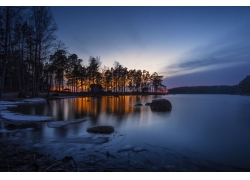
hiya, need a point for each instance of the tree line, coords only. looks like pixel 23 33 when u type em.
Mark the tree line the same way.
pixel 204 90
pixel 80 78
pixel 32 57
pixel 242 88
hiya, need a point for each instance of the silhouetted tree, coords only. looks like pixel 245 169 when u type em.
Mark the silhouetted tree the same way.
pixel 92 70
pixel 108 79
pixel 60 61
pixel 44 28
pixel 49 70
pixel 244 85
pixel 156 81
pixel 6 45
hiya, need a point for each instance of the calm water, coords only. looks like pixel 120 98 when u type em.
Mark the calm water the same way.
pixel 201 133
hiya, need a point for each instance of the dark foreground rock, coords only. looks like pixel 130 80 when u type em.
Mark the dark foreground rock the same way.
pixel 161 105
pixel 139 104
pixel 101 129
pixel 147 104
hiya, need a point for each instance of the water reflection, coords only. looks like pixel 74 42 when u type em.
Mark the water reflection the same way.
pixel 215 127
pixel 91 107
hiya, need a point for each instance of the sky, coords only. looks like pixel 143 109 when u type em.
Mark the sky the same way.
pixel 188 45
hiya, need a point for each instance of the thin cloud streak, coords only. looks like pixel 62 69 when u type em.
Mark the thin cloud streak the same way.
pixel 222 54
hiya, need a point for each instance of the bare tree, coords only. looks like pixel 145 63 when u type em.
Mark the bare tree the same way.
pixel 44 28
pixel 5 49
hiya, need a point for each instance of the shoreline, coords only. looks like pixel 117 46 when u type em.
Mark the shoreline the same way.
pixel 13 96
pixel 14 158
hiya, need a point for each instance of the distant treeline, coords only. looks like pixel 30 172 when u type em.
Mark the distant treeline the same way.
pixel 204 90
pixel 244 85
pixel 242 88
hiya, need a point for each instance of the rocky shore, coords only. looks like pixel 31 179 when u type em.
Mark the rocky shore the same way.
pixel 15 159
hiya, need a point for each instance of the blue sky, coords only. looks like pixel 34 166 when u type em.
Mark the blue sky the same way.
pixel 187 45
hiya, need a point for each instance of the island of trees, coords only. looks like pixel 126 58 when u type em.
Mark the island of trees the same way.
pixel 33 59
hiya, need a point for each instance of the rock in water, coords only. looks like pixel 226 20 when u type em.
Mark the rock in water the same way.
pixel 161 105
pixel 101 129
pixel 58 124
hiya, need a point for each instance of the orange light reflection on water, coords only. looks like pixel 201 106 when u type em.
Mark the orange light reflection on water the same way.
pixel 108 104
pixel 98 109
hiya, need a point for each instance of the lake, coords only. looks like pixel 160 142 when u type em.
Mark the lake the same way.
pixel 201 133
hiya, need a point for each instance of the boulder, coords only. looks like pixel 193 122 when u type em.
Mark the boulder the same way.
pixel 161 105
pixel 147 104
pixel 101 129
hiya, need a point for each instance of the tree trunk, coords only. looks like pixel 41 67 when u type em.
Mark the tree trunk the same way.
pixel 7 29
pixel 50 81
pixel 34 74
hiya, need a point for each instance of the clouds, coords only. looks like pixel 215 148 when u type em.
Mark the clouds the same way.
pixel 231 50
pixel 224 76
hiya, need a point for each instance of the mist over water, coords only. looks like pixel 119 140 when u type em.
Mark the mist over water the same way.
pixel 211 130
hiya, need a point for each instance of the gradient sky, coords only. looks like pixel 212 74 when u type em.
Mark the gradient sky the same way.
pixel 187 45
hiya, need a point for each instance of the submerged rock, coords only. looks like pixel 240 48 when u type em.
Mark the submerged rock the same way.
pixel 139 149
pixel 58 124
pixel 24 125
pixel 11 126
pixel 126 148
pixel 161 105
pixel 101 129
pixel 131 148
pixel 139 104
pixel 86 140
pixel 147 104
pixel 30 125
pixel 17 118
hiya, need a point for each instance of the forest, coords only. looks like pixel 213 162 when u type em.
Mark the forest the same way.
pixel 33 59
